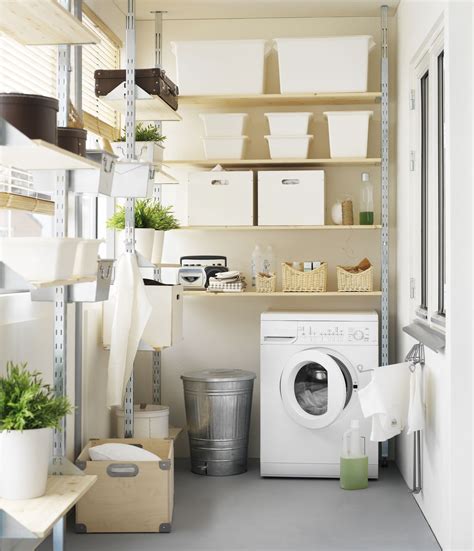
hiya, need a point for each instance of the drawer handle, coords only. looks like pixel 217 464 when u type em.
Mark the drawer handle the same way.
pixel 122 470
pixel 290 181
pixel 219 182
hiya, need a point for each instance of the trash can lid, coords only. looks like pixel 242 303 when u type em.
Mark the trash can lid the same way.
pixel 218 375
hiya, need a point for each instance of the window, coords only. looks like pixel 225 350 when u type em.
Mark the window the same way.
pixel 428 216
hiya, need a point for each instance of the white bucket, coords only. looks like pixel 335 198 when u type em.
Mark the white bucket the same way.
pixel 151 421
pixel 144 238
pixel 24 463
pixel 224 147
pixel 288 124
pixel 223 124
pixel 289 147
pixel 348 133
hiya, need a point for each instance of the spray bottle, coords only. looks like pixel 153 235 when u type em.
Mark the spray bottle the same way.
pixel 354 462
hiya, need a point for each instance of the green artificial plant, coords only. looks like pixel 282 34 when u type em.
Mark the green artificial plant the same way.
pixel 149 213
pixel 27 403
pixel 149 133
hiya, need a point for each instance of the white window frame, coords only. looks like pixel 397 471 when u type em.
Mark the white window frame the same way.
pixel 426 61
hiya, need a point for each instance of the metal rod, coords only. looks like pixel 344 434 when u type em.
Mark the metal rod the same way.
pixel 59 533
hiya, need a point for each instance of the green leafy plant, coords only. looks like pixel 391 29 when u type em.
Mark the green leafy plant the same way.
pixel 148 214
pixel 27 403
pixel 149 133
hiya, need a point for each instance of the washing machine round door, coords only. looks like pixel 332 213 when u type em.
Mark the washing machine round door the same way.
pixel 313 389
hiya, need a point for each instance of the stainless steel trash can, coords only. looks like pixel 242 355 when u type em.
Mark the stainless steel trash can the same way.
pixel 218 406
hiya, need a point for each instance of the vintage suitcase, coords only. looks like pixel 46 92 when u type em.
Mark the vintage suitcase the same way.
pixel 153 81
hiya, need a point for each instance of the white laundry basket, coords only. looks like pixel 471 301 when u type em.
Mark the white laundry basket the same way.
pixel 330 64
pixel 348 133
pixel 206 67
pixel 149 421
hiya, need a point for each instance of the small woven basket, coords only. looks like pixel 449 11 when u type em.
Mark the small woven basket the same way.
pixel 348 282
pixel 265 284
pixel 295 281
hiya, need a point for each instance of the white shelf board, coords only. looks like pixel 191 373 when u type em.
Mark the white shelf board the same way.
pixel 275 162
pixel 148 108
pixel 278 228
pixel 42 22
pixel 249 294
pixel 42 155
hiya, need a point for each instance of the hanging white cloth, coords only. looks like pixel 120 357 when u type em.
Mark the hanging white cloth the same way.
pixel 386 400
pixel 416 414
pixel 131 314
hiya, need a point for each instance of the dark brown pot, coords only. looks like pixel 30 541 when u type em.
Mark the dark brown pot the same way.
pixel 34 116
pixel 73 139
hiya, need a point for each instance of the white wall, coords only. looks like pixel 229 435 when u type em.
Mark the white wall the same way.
pixel 447 467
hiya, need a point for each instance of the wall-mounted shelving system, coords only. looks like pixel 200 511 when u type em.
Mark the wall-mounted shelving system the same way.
pixel 274 162
pixel 249 294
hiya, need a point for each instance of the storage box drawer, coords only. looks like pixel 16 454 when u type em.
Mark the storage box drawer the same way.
pixel 165 326
pixel 291 198
pixel 134 496
pixel 220 198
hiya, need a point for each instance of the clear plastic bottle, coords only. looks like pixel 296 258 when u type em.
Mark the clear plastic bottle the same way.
pixel 268 264
pixel 256 263
pixel 366 211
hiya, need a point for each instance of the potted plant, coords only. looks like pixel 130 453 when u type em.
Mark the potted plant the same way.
pixel 29 412
pixel 148 144
pixel 152 220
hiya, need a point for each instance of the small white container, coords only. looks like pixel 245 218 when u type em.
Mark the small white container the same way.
pixel 324 65
pixel 289 147
pixel 288 124
pixel 157 251
pixel 208 67
pixel 87 255
pixel 40 259
pixel 223 124
pixel 223 198
pixel 151 421
pixel 348 133
pixel 224 147
pixel 133 179
pixel 146 152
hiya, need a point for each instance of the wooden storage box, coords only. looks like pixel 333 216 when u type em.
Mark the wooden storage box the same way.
pixel 128 497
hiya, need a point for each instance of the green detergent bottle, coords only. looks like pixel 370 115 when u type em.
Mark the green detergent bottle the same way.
pixel 354 462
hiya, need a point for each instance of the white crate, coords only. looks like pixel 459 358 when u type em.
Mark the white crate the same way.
pixel 223 124
pixel 133 179
pixel 223 198
pixel 289 147
pixel 348 133
pixel 288 124
pixel 323 65
pixel 207 67
pixel 224 147
pixel 291 198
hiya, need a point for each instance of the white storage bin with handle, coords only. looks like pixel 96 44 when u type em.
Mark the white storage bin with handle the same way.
pixel 207 67
pixel 288 124
pixel 348 133
pixel 289 147
pixel 220 198
pixel 291 198
pixel 224 147
pixel 324 65
pixel 223 124
pixel 149 421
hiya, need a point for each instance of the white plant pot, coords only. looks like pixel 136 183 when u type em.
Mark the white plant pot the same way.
pixel 157 252
pixel 144 238
pixel 24 462
pixel 145 152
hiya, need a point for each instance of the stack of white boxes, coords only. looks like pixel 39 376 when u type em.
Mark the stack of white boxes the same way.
pixel 289 138
pixel 223 135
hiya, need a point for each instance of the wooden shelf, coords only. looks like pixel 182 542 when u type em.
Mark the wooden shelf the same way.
pixel 39 515
pixel 249 294
pixel 41 155
pixel 278 228
pixel 42 22
pixel 264 100
pixel 274 162
pixel 62 282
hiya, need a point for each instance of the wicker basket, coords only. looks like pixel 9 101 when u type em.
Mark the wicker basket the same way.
pixel 265 284
pixel 296 281
pixel 356 283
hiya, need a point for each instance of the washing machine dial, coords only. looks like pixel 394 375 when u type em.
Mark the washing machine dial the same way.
pixel 358 335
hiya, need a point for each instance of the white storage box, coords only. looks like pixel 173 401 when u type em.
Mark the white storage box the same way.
pixel 94 181
pixel 133 179
pixel 207 67
pixel 165 326
pixel 348 133
pixel 223 124
pixel 149 421
pixel 224 147
pixel 146 152
pixel 291 198
pixel 331 64
pixel 288 124
pixel 223 198
pixel 289 147
pixel 40 259
pixel 87 255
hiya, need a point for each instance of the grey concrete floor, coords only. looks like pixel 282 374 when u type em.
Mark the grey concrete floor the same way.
pixel 247 513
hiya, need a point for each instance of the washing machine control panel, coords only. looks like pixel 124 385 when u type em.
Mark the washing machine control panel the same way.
pixel 337 333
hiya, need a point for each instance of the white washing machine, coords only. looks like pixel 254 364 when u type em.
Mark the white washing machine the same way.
pixel 309 377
